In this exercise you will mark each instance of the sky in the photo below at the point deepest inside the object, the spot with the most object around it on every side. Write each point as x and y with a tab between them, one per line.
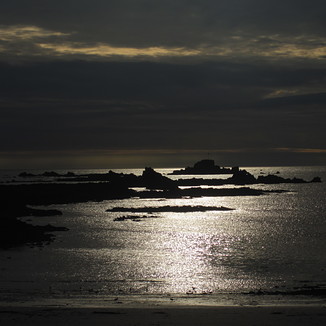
134	83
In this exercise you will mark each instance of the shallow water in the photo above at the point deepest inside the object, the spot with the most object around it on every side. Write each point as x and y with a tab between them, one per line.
275	241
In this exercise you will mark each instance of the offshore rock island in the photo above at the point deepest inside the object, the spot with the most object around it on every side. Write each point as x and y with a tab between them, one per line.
72	188
151	179
205	167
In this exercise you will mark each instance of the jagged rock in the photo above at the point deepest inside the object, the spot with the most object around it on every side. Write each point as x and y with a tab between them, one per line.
155	180
242	177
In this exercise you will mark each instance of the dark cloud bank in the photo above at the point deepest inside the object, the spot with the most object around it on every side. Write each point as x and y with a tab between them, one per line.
252	91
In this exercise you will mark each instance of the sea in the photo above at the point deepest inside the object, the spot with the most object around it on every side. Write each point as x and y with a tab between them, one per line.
269	247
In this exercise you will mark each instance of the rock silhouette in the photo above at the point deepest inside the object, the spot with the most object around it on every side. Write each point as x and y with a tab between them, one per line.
72	188
205	167
154	180
14	232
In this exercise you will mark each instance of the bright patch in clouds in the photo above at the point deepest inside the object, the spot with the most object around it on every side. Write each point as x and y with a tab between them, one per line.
12	33
278	93
270	46
48	43
104	50
240	48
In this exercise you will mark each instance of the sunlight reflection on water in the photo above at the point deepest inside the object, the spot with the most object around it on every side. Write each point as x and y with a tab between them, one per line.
266	241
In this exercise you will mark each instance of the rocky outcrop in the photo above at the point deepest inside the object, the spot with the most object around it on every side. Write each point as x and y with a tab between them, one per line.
154	180
205	167
14	232
243	177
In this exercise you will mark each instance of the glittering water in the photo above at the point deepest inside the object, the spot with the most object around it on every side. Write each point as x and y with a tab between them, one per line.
272	241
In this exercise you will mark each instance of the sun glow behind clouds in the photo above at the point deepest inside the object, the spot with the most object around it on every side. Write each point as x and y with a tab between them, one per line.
136	158
301	150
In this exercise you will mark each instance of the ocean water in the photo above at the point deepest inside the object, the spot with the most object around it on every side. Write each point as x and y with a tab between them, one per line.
274	242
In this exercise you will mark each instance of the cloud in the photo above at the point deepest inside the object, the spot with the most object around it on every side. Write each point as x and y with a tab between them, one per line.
14	33
35	41
213	75
272	47
182	23
302	150
105	50
19	42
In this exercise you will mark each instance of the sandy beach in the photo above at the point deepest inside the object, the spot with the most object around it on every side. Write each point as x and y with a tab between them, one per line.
164	315
161	310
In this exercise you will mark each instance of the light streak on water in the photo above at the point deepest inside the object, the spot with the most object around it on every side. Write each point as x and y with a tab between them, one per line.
275	240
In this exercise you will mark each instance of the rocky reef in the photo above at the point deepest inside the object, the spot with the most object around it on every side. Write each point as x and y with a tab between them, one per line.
71	188
243	177
175	209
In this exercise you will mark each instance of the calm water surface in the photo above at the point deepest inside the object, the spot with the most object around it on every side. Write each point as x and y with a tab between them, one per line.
275	241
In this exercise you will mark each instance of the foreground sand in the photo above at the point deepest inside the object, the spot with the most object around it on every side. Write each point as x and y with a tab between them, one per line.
164	315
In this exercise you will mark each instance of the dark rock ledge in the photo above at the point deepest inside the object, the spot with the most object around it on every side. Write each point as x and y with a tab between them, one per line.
16	198
14	232
175	209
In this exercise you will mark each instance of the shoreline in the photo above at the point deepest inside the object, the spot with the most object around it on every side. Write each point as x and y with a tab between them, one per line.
157	300
187	315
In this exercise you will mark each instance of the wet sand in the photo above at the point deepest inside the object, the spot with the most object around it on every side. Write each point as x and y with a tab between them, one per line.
164	315
161	310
